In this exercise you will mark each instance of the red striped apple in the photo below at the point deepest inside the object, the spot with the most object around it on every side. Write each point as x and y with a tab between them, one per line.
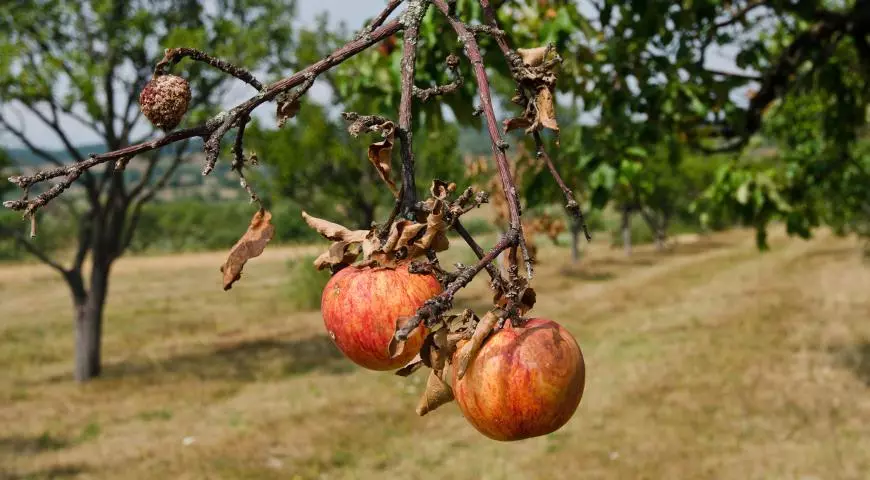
524	381
360	307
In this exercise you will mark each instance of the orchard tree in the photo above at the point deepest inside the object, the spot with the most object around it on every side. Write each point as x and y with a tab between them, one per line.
805	66
392	306
84	64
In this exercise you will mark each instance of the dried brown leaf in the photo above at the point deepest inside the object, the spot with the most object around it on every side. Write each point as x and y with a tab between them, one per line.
338	253
251	245
546	109
410	367
381	156
516	123
533	57
287	110
436	228
441	189
334	231
468	351
396	346
433	351
437	393
401	233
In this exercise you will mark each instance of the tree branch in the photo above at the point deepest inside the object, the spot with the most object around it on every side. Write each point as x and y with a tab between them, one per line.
571	204
472	51
411	19
424	94
37	252
174	55
379	20
221	123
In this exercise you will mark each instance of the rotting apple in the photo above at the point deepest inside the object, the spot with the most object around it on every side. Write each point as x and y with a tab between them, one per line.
524	381
361	306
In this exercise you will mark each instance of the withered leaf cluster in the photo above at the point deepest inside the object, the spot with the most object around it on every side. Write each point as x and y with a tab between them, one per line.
537	81
449	350
406	240
251	245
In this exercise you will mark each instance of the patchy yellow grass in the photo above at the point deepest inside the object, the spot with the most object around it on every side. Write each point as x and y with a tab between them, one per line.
709	361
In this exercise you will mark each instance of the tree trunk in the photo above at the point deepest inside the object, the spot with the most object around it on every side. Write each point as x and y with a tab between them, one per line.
575	240
660	241
89	324
626	231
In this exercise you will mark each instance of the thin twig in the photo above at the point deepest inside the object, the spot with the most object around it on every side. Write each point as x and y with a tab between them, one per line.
571	204
424	94
437	305
239	161
379	20
498	282
174	55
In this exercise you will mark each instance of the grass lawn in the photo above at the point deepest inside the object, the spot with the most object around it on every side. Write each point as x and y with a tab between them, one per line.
711	360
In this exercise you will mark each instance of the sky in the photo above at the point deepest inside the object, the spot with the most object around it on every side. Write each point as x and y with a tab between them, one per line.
349	11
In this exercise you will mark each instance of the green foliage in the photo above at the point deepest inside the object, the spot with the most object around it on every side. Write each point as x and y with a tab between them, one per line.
314	162
305	284
53	233
192	225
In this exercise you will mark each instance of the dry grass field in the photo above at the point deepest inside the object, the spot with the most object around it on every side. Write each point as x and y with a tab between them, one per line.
711	360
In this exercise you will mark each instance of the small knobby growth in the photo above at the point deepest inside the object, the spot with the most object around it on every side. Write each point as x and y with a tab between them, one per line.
416	230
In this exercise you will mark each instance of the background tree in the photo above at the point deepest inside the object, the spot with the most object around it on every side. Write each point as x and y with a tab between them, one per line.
655	76
86	62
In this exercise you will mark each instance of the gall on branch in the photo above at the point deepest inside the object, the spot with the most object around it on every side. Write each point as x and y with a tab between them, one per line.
388	303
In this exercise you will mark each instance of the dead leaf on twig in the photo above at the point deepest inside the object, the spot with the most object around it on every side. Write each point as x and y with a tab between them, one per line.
441	189
410	367
533	57
546	109
396	346
437	393
251	245
339	252
468	351
334	231
436	230
286	109
381	155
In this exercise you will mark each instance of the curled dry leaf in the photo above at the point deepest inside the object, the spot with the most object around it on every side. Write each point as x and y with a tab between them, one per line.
334	231
381	156
546	109
343	251
287	109
396	346
410	367
401	234
436	230
338	253
469	350
251	245
434	352
441	189
533	57
515	123
437	393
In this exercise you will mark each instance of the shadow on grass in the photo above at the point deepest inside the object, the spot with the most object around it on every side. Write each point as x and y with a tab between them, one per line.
22	445
588	274
839	253
53	473
857	359
245	360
